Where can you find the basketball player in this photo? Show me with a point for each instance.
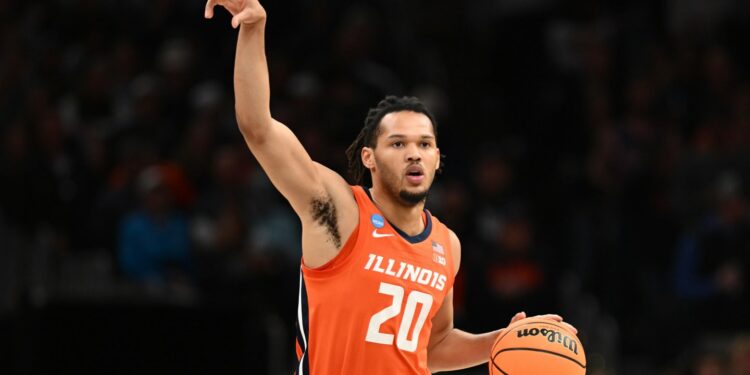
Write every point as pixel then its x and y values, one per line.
pixel 377 269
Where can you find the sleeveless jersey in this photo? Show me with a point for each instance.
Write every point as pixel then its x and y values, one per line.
pixel 369 310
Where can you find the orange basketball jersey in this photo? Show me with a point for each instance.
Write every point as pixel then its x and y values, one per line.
pixel 369 310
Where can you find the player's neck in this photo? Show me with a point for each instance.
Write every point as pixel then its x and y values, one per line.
pixel 407 218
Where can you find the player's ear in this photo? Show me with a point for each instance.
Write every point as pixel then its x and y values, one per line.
pixel 368 157
pixel 437 164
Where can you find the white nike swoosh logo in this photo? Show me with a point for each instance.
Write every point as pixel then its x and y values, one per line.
pixel 380 235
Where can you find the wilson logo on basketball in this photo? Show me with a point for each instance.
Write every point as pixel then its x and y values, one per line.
pixel 552 336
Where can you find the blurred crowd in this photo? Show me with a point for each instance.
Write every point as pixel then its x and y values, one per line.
pixel 597 159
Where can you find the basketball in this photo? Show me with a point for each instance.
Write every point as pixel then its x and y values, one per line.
pixel 536 346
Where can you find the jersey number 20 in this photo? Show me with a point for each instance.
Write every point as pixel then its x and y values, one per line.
pixel 415 298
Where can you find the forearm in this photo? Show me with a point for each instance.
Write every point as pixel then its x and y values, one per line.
pixel 459 350
pixel 251 87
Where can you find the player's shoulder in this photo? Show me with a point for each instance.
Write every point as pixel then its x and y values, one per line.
pixel 454 240
pixel 452 236
pixel 337 190
pixel 442 226
pixel 454 244
pixel 455 249
pixel 332 180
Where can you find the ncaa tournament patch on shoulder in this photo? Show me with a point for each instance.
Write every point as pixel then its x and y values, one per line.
pixel 377 220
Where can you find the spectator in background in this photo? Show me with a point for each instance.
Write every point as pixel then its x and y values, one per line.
pixel 649 100
pixel 712 259
pixel 739 353
pixel 118 196
pixel 219 222
pixel 10 254
pixel 16 164
pixel 219 225
pixel 709 363
pixel 717 355
pixel 516 275
pixel 512 270
pixel 154 241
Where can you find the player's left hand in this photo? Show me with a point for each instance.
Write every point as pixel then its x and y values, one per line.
pixel 552 317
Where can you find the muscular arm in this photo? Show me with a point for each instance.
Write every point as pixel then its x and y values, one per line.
pixel 276 148
pixel 453 349
pixel 319 196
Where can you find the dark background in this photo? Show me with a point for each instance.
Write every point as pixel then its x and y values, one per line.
pixel 597 166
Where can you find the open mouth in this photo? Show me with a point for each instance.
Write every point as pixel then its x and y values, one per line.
pixel 415 174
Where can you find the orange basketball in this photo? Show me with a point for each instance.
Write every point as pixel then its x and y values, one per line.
pixel 535 346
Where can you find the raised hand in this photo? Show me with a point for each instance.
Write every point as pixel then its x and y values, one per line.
pixel 243 11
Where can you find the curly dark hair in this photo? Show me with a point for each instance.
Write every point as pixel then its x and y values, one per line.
pixel 368 135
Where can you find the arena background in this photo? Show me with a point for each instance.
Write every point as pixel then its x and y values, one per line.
pixel 597 166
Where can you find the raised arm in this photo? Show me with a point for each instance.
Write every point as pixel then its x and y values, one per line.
pixel 321 198
pixel 277 149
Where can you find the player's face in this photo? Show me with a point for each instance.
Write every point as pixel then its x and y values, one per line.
pixel 406 157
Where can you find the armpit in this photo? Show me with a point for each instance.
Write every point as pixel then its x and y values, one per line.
pixel 324 213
